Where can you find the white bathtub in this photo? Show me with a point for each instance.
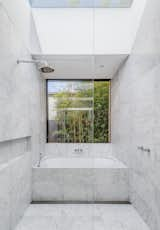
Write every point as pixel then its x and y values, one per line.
pixel 80 179
pixel 109 162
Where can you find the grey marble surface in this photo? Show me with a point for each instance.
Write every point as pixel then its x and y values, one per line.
pixel 15 192
pixel 5 197
pixel 54 150
pixel 20 187
pixel 81 217
pixel 19 110
pixel 81 184
pixel 136 113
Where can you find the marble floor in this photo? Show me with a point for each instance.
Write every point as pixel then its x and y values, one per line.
pixel 81 217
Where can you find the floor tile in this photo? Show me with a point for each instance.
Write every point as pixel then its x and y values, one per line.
pixel 81 217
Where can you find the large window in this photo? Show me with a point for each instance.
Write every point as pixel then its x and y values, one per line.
pixel 78 111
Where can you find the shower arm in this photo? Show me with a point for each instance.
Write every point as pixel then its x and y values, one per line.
pixel 30 61
pixel 42 65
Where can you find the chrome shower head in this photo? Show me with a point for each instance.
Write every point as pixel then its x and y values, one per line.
pixel 43 66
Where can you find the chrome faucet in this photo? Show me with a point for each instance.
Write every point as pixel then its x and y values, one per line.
pixel 140 148
pixel 78 150
pixel 40 158
pixel 144 149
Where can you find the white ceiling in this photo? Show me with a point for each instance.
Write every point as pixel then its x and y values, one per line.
pixel 87 31
pixel 83 66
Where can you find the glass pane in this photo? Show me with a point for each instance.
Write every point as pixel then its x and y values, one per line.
pixel 81 3
pixel 78 111
pixel 70 111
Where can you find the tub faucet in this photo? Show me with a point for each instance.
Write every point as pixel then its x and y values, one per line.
pixel 78 150
pixel 140 148
pixel 144 149
pixel 40 158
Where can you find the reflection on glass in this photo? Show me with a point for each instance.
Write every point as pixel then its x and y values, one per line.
pixel 78 111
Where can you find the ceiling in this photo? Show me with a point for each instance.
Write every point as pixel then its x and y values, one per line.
pixel 81 3
pixel 83 66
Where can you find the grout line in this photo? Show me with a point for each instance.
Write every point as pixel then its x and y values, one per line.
pixel 81 202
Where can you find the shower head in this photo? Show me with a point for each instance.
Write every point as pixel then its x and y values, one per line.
pixel 43 66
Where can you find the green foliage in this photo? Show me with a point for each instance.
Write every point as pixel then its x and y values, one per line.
pixel 101 111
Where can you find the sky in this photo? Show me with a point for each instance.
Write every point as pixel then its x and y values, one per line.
pixel 76 3
pixel 55 86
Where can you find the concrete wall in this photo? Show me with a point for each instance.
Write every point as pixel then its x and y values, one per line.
pixel 88 31
pixel 64 150
pixel 19 110
pixel 136 116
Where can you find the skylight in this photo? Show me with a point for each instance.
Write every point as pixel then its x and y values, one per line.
pixel 81 3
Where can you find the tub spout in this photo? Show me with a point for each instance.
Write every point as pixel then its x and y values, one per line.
pixel 40 158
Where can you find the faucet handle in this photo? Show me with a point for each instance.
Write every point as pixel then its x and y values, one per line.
pixel 144 149
pixel 78 150
pixel 140 148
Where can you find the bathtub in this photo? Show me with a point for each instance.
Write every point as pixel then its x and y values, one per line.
pixel 80 179
pixel 109 162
